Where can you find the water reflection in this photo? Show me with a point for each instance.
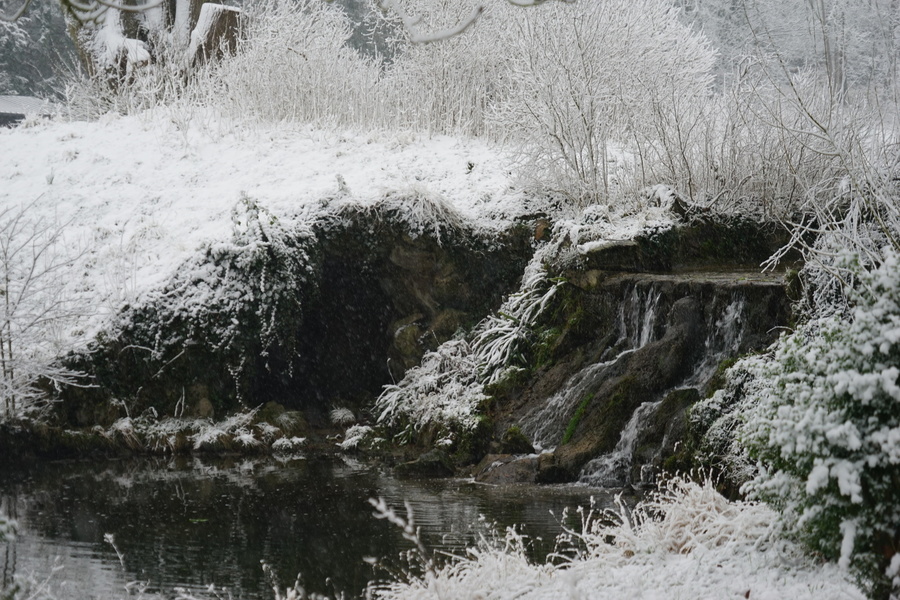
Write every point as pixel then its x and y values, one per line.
pixel 190 523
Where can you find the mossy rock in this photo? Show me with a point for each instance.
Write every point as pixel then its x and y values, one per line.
pixel 474 444
pixel 515 442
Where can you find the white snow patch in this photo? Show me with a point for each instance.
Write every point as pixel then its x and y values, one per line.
pixel 138 195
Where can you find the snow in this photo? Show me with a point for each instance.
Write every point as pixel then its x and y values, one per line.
pixel 137 196
pixel 687 543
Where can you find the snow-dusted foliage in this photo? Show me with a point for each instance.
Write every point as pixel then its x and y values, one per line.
pixel 498 341
pixel 341 416
pixel 288 444
pixel 685 542
pixel 421 212
pixel 33 49
pixel 443 390
pixel 234 295
pixel 824 423
pixel 356 436
pixel 293 65
pixel 594 74
pixel 449 86
pixel 242 431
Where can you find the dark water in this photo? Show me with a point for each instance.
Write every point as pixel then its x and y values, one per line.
pixel 190 523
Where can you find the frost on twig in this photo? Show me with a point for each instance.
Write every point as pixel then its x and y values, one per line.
pixel 412 23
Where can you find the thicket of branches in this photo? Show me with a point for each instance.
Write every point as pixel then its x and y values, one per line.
pixel 596 99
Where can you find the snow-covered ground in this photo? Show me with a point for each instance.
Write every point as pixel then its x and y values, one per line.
pixel 138 195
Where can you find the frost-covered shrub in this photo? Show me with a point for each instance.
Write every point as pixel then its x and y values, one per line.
pixel 443 390
pixel 824 425
pixel 449 86
pixel 718 418
pixel 356 436
pixel 589 76
pixel 294 65
pixel 685 542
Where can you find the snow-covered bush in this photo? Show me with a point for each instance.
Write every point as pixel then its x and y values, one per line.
pixel 824 424
pixel 450 86
pixel 593 74
pixel 293 65
pixel 356 436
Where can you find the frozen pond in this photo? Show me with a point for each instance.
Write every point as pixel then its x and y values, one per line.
pixel 187 523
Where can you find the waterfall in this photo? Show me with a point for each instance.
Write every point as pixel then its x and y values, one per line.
pixel 636 322
pixel 614 469
pixel 637 317
pixel 723 339
pixel 545 426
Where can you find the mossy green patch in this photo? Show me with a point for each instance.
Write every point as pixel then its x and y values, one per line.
pixel 576 419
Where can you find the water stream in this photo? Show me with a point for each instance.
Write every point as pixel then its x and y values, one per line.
pixel 613 469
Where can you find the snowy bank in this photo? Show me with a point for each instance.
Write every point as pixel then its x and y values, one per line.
pixel 687 543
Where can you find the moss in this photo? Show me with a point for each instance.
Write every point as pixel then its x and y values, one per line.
pixel 474 444
pixel 515 442
pixel 513 379
pixel 576 419
pixel 543 349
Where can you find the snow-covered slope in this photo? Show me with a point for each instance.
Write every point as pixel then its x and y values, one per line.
pixel 138 195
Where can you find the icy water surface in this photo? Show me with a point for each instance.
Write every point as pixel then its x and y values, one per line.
pixel 189 523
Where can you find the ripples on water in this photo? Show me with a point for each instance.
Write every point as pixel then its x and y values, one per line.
pixel 190 523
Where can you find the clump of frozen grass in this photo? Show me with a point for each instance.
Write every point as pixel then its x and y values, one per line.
pixel 215 436
pixel 170 435
pixel 419 211
pixel 424 213
pixel 342 416
pixel 687 541
pixel 357 436
pixel 500 338
pixel 288 444
pixel 444 389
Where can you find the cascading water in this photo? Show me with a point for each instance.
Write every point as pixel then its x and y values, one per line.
pixel 614 469
pixel 545 427
pixel 723 339
pixel 636 322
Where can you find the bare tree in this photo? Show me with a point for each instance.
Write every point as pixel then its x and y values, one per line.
pixel 33 303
